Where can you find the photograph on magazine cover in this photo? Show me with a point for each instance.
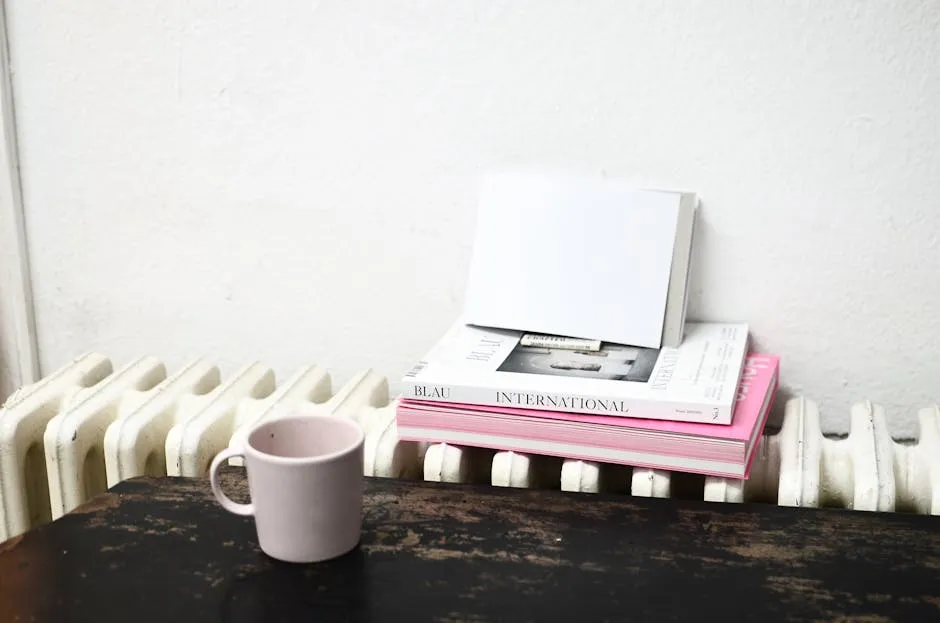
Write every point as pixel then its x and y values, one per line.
pixel 611 362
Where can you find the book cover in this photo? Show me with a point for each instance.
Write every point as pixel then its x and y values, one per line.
pixel 581 256
pixel 703 448
pixel 695 382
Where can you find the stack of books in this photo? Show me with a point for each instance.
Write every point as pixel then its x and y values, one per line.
pixel 574 341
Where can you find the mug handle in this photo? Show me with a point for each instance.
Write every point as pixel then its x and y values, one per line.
pixel 232 507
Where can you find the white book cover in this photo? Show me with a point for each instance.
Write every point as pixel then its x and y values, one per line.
pixel 582 257
pixel 695 382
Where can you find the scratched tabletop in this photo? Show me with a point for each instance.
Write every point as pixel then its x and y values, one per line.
pixel 162 550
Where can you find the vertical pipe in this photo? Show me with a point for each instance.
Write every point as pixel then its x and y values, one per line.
pixel 19 359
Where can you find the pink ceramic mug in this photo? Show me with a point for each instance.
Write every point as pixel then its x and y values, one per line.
pixel 305 480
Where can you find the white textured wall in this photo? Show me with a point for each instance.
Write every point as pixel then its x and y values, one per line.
pixel 294 181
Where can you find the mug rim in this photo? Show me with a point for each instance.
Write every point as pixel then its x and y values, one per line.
pixel 306 460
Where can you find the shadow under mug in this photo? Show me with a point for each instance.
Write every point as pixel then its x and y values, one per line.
pixel 305 481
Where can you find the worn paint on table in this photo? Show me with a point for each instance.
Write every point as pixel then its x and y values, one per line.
pixel 161 549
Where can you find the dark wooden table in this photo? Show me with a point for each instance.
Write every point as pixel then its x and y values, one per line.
pixel 161 550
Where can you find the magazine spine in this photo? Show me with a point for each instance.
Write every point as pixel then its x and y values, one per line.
pixel 681 411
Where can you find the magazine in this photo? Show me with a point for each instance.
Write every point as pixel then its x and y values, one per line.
pixel 695 382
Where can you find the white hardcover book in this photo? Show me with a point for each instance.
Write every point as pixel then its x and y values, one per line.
pixel 547 248
pixel 695 382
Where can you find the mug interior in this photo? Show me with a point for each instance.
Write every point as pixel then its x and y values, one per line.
pixel 306 437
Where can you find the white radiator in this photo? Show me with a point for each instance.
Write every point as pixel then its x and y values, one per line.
pixel 87 427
